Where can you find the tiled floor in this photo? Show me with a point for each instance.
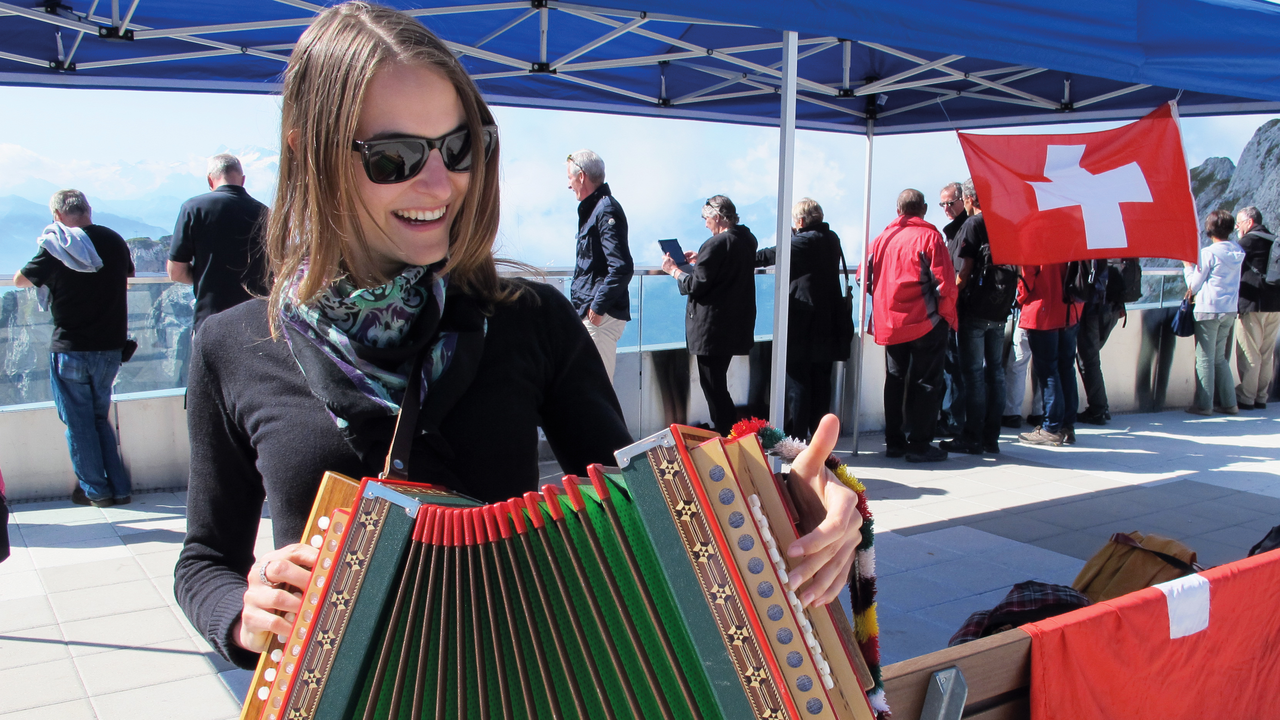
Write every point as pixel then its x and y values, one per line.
pixel 89 627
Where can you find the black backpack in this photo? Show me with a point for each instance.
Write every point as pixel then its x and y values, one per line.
pixel 1271 274
pixel 1124 283
pixel 1084 281
pixel 1131 278
pixel 992 288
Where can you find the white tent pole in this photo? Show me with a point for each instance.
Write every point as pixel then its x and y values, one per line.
pixel 862 284
pixel 782 264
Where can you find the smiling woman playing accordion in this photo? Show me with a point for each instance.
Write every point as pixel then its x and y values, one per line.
pixel 385 294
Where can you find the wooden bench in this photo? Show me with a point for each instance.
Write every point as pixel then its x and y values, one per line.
pixel 997 671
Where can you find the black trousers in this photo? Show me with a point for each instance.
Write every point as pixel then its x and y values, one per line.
pixel 1096 323
pixel 808 397
pixel 713 376
pixel 913 388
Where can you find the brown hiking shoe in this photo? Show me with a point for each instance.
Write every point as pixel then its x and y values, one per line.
pixel 1040 436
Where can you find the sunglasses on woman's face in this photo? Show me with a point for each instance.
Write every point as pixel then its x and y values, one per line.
pixel 392 160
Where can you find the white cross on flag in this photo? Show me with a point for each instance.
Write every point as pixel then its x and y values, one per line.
pixel 1116 193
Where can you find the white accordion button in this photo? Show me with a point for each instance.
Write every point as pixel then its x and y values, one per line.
pixel 754 501
pixel 270 674
pixel 263 692
pixel 323 522
pixel 276 655
pixel 316 541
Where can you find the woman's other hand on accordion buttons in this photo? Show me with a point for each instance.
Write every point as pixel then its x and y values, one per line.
pixel 828 550
pixel 286 572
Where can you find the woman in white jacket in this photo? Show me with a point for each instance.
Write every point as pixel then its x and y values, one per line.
pixel 1215 283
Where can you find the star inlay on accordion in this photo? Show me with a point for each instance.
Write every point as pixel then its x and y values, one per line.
pixel 653 590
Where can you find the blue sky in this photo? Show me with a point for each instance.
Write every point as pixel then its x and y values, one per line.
pixel 141 153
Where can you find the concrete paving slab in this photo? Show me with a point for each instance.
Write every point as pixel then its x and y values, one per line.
pixel 910 553
pixel 1015 526
pixel 153 540
pixel 193 698
pixel 19 561
pixel 95 550
pixel 159 564
pixel 904 636
pixel 25 613
pixel 122 631
pixel 58 534
pixel 38 685
pixel 33 646
pixel 141 666
pixel 20 585
pixel 74 710
pixel 54 513
pixel 955 613
pixel 115 599
pixel 1079 544
pixel 973 576
pixel 968 541
pixel 916 589
pixel 91 574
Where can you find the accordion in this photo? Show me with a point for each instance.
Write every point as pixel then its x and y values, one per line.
pixel 657 589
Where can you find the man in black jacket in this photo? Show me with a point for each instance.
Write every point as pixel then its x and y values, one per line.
pixel 813 313
pixel 217 242
pixel 1259 317
pixel 603 268
pixel 721 317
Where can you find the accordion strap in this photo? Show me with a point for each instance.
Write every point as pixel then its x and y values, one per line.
pixel 397 465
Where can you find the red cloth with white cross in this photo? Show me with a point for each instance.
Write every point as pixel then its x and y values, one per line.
pixel 1203 646
pixel 1111 194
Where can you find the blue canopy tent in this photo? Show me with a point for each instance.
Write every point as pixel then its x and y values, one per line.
pixel 858 66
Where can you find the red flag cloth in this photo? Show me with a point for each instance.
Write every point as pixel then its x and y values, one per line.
pixel 1218 656
pixel 1112 194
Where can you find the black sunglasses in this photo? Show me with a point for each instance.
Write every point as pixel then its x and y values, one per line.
pixel 392 160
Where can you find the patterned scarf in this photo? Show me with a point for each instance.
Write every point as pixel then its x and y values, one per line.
pixel 359 331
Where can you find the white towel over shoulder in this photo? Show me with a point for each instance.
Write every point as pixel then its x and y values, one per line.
pixel 73 248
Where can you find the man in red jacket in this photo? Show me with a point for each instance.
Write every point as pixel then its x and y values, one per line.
pixel 913 290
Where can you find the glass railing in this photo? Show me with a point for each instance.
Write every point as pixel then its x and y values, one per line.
pixel 160 315
pixel 161 311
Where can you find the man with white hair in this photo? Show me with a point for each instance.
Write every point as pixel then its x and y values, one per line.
pixel 217 242
pixel 1259 318
pixel 85 269
pixel 603 267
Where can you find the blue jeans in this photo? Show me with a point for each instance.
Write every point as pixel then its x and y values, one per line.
pixel 982 364
pixel 82 392
pixel 1053 356
pixel 1213 369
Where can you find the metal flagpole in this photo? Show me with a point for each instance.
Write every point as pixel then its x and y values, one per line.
pixel 862 284
pixel 782 264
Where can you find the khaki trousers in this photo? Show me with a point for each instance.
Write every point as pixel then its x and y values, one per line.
pixel 605 336
pixel 1255 351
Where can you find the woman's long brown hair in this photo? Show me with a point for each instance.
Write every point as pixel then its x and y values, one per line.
pixel 314 226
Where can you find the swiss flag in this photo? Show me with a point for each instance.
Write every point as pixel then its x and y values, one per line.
pixel 1117 193
pixel 1203 646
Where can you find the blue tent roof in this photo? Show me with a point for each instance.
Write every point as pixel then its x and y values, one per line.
pixel 925 65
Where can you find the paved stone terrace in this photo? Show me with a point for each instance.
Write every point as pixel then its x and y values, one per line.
pixel 89 627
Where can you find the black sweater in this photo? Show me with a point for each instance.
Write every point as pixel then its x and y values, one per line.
pixel 721 314
pixel 257 432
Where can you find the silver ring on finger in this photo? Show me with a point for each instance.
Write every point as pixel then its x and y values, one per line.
pixel 262 575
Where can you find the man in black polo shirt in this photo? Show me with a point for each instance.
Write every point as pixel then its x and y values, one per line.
pixel 217 242
pixel 85 268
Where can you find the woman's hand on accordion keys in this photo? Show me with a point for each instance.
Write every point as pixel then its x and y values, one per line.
pixel 274 591
pixel 828 550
